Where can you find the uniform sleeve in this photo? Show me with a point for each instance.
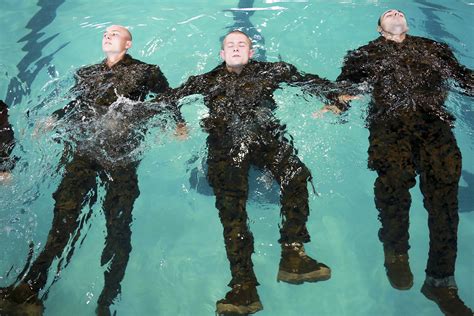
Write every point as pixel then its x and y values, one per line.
pixel 194 85
pixel 313 84
pixel 7 140
pixel 356 67
pixel 169 101
pixel 59 114
pixel 157 82
pixel 461 74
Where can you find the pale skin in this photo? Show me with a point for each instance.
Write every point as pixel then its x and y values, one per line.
pixel 5 177
pixel 393 26
pixel 236 51
pixel 116 41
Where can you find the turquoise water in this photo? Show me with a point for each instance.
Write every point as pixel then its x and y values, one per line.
pixel 178 264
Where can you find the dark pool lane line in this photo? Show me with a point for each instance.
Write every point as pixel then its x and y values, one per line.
pixel 242 22
pixel 34 61
pixel 433 23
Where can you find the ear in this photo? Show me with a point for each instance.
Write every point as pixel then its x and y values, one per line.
pixel 379 29
pixel 128 44
pixel 251 52
pixel 222 54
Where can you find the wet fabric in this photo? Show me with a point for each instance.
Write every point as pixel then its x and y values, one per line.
pixel 398 152
pixel 98 88
pixel 410 134
pixel 411 76
pixel 243 131
pixel 104 121
pixel 7 140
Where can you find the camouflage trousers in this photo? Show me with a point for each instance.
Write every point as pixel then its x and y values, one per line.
pixel 77 189
pixel 228 167
pixel 399 150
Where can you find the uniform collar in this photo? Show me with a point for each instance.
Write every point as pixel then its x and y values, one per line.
pixel 125 61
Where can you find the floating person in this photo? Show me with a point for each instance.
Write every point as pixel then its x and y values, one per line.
pixel 410 134
pixel 7 143
pixel 97 88
pixel 244 131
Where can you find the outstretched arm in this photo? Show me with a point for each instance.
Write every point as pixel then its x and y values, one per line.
pixel 194 85
pixel 461 74
pixel 335 93
pixel 168 101
pixel 47 124
pixel 156 81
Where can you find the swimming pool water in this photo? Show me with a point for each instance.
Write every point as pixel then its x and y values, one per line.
pixel 178 264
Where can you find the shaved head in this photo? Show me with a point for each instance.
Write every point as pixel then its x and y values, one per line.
pixel 116 40
pixel 122 29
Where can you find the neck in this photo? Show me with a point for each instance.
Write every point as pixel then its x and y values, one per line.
pixel 112 59
pixel 394 37
pixel 236 69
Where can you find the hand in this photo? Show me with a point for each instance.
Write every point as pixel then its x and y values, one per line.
pixel 5 177
pixel 326 108
pixel 44 126
pixel 344 98
pixel 181 132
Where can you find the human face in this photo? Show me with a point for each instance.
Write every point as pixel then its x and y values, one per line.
pixel 236 50
pixel 116 40
pixel 393 22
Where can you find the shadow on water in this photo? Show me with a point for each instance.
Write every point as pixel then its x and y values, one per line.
pixel 466 193
pixel 242 22
pixel 262 188
pixel 33 62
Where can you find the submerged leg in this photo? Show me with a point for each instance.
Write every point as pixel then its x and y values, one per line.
pixel 292 175
pixel 228 179
pixel 390 154
pixel 440 173
pixel 79 181
pixel 122 191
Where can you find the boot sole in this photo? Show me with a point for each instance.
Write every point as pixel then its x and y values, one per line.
pixel 401 287
pixel 226 309
pixel 299 278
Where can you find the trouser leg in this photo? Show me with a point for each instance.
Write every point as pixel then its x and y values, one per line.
pixel 122 191
pixel 292 176
pixel 390 154
pixel 78 182
pixel 229 180
pixel 440 173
